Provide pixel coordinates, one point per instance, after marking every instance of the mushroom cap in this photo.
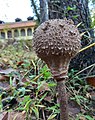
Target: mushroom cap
(56, 37)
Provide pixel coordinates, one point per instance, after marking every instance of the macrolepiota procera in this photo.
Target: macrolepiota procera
(56, 42)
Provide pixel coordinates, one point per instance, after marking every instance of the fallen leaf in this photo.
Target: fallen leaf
(48, 98)
(4, 116)
(20, 63)
(4, 78)
(74, 108)
(7, 71)
(44, 87)
(4, 86)
(16, 115)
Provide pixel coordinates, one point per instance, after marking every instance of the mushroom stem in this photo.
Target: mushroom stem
(63, 100)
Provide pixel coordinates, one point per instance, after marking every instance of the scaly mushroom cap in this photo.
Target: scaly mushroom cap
(56, 37)
(56, 41)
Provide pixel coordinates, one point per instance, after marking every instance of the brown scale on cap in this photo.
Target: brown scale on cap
(56, 42)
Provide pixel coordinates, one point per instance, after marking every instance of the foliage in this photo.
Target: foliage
(92, 11)
(35, 6)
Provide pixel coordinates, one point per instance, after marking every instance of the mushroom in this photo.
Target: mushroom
(56, 42)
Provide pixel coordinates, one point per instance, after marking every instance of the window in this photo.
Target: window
(22, 32)
(9, 34)
(16, 33)
(29, 31)
(3, 35)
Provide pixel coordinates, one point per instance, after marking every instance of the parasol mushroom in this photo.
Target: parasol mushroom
(56, 42)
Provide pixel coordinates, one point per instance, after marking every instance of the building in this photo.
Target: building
(20, 30)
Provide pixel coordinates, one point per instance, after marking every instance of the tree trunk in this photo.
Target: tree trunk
(43, 11)
(78, 11)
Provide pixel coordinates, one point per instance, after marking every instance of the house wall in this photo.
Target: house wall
(17, 33)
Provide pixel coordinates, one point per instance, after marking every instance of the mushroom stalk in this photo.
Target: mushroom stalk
(63, 100)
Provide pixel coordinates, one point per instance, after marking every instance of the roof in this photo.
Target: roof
(17, 24)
